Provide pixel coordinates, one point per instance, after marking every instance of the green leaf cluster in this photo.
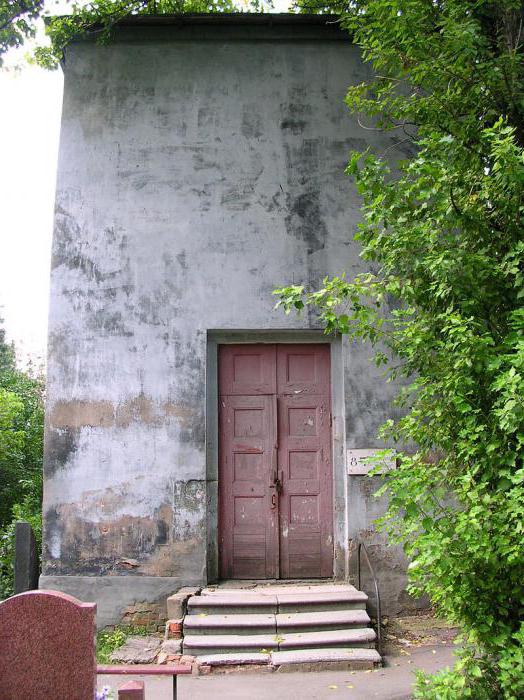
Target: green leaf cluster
(442, 231)
(17, 22)
(111, 639)
(21, 454)
(96, 18)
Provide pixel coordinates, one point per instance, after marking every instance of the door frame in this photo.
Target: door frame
(338, 437)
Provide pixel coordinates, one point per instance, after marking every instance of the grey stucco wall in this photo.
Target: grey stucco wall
(198, 169)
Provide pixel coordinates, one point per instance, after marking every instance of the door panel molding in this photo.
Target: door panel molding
(248, 525)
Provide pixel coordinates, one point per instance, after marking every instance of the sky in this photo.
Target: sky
(31, 101)
(30, 108)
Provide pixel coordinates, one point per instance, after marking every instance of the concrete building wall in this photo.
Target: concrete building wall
(199, 167)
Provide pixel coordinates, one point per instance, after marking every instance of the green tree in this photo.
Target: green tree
(443, 232)
(18, 19)
(17, 22)
(102, 15)
(21, 452)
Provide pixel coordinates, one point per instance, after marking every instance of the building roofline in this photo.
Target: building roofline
(231, 18)
(251, 21)
(220, 26)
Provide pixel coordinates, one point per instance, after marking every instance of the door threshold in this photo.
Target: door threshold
(260, 583)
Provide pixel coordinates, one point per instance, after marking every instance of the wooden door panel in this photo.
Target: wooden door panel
(304, 459)
(247, 370)
(248, 524)
(303, 369)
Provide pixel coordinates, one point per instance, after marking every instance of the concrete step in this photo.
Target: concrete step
(271, 624)
(273, 589)
(322, 620)
(326, 660)
(248, 602)
(350, 638)
(301, 660)
(235, 659)
(230, 624)
(315, 602)
(199, 644)
(316, 625)
(238, 603)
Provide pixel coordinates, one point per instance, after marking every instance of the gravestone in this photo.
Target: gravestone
(47, 647)
(132, 690)
(26, 558)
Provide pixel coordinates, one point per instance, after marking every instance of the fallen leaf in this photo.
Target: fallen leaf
(332, 687)
(350, 686)
(433, 651)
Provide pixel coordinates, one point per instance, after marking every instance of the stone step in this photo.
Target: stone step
(230, 624)
(238, 603)
(314, 602)
(199, 644)
(235, 659)
(301, 660)
(285, 588)
(247, 602)
(360, 637)
(326, 660)
(271, 624)
(321, 620)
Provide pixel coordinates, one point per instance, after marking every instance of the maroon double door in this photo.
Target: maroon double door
(275, 466)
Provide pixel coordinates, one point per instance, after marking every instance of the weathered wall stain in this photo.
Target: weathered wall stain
(89, 539)
(304, 219)
(59, 447)
(72, 415)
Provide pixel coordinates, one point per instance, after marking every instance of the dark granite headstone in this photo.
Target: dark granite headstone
(47, 647)
(26, 558)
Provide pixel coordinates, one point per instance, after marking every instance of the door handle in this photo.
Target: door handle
(273, 501)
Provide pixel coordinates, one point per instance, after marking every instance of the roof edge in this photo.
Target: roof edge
(223, 18)
(232, 18)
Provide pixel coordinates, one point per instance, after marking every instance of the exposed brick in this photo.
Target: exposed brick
(174, 629)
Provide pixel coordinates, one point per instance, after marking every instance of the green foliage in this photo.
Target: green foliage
(17, 22)
(100, 16)
(21, 453)
(107, 641)
(443, 307)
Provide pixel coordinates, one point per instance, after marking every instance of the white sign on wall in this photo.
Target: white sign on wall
(357, 461)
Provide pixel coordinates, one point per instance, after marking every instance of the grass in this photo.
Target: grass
(109, 640)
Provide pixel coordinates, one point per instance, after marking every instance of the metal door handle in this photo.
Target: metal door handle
(274, 501)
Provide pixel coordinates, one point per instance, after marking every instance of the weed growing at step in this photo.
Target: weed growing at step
(107, 641)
